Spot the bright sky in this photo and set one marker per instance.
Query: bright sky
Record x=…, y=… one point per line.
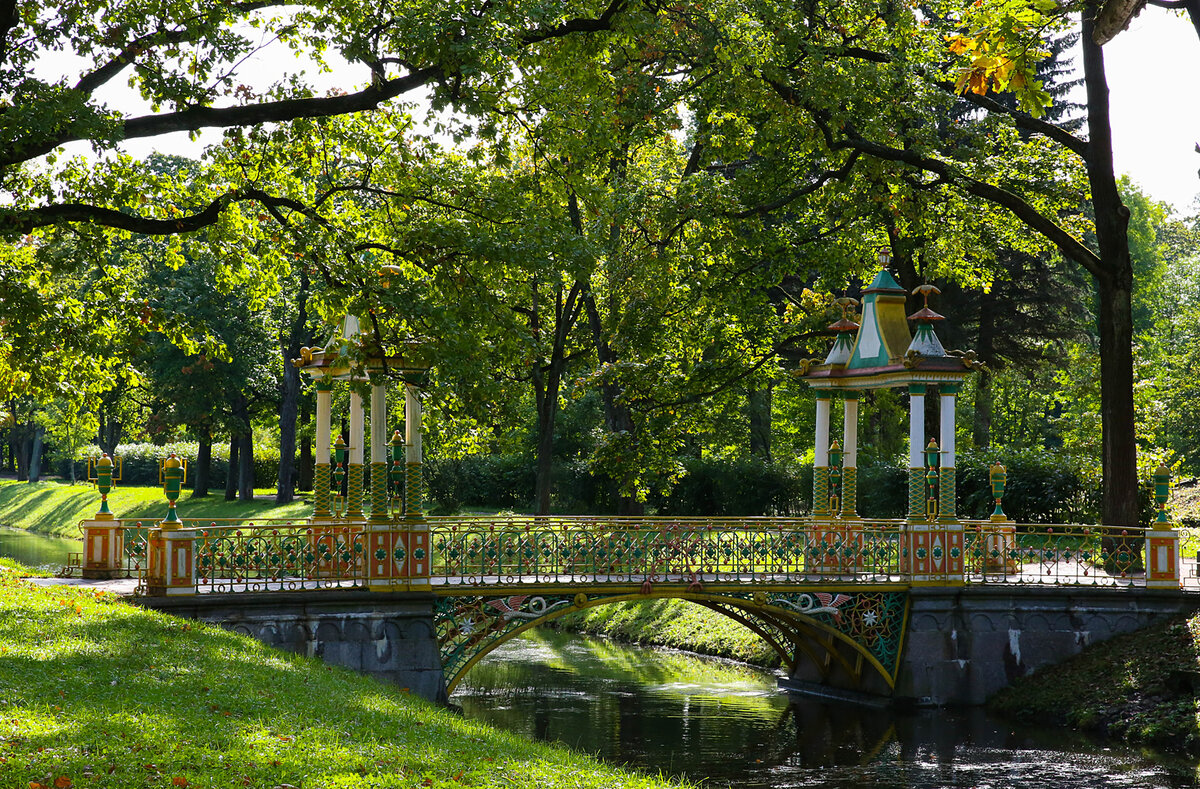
x=1152, y=78
x=1152, y=69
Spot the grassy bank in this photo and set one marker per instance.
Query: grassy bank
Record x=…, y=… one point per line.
x=1143, y=687
x=56, y=507
x=97, y=693
x=11, y=568
x=672, y=623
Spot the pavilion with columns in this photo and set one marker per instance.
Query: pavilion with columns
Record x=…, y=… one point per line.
x=879, y=353
x=396, y=548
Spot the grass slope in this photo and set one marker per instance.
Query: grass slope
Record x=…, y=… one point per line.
x=1141, y=687
x=672, y=623
x=57, y=507
x=97, y=693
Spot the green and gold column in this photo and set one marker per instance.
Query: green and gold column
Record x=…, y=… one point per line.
x=379, y=450
x=354, y=469
x=850, y=456
x=321, y=466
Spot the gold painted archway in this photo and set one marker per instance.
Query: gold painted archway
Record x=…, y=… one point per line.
x=839, y=635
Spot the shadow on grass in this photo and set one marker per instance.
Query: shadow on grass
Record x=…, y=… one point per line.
x=106, y=694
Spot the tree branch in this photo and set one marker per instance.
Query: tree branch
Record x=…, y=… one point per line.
x=824, y=178
x=27, y=220
x=1067, y=244
x=1023, y=120
x=582, y=25
x=94, y=79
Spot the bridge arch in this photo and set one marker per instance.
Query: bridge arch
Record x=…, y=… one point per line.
x=835, y=636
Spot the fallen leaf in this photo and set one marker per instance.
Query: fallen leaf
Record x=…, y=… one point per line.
x=62, y=782
x=179, y=780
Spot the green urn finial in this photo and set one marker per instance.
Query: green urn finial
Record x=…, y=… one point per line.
x=998, y=478
x=1162, y=491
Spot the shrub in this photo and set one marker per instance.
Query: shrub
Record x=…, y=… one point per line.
x=140, y=463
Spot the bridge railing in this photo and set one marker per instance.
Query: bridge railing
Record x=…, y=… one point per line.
x=130, y=551
x=231, y=556
x=1054, y=554
x=487, y=551
x=264, y=555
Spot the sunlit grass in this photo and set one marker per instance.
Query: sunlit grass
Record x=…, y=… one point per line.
x=673, y=623
x=57, y=507
x=98, y=693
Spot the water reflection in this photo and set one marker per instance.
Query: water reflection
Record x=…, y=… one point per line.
x=727, y=725
x=36, y=550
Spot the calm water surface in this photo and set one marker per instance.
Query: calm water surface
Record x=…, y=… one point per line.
x=36, y=550
x=724, y=725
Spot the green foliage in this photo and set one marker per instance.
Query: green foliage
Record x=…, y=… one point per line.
x=102, y=693
x=672, y=623
x=737, y=487
x=140, y=462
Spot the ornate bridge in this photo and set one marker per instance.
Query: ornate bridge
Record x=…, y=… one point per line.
x=830, y=593
x=830, y=597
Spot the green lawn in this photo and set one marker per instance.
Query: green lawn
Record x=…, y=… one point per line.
x=97, y=693
x=672, y=623
x=56, y=507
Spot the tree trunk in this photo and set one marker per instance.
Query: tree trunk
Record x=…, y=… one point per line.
x=35, y=454
x=758, y=408
x=231, y=475
x=203, y=466
x=547, y=383
x=284, y=486
x=617, y=417
x=1114, y=281
x=304, y=471
x=290, y=397
x=546, y=394
x=246, y=466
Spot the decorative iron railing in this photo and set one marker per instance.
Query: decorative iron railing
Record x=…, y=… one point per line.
x=133, y=547
x=500, y=551
x=1054, y=554
x=273, y=555
x=484, y=551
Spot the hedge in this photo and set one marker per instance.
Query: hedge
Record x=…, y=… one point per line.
x=1042, y=487
x=140, y=463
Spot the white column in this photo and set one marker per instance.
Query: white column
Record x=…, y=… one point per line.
x=850, y=434
x=379, y=440
x=947, y=429
x=821, y=446
x=916, y=429
x=356, y=428
x=412, y=425
x=324, y=409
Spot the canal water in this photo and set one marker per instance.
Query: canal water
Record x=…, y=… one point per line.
x=36, y=550
x=724, y=725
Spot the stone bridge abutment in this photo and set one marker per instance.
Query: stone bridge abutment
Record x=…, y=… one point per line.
x=960, y=645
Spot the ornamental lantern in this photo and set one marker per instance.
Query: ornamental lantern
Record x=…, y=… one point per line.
x=104, y=479
x=171, y=474
x=931, y=478
x=998, y=479
x=1162, y=491
x=396, y=471
x=835, y=475
x=885, y=257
